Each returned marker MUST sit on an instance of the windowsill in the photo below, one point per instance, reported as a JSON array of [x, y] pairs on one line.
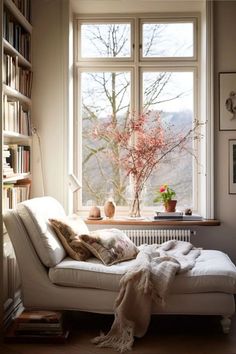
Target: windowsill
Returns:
[[148, 222]]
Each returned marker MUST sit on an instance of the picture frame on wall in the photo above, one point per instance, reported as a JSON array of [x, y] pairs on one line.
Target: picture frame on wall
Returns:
[[227, 100], [232, 166]]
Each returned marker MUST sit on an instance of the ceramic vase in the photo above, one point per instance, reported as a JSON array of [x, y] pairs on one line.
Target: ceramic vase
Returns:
[[109, 209]]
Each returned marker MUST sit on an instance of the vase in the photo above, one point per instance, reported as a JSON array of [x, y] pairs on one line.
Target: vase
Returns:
[[135, 206], [109, 209], [135, 197], [170, 206]]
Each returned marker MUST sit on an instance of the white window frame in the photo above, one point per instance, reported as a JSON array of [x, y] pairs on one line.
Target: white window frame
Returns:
[[103, 21], [137, 64], [194, 21]]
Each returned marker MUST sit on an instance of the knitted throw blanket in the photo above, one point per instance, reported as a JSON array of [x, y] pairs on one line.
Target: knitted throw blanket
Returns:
[[149, 279]]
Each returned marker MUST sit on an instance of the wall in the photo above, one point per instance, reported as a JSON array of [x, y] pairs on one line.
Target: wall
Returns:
[[49, 98], [126, 6], [50, 106], [224, 54]]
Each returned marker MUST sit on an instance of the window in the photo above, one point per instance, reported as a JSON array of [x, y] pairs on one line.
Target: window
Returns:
[[134, 65]]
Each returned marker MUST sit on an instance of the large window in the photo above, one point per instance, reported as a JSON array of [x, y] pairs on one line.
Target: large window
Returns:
[[132, 66]]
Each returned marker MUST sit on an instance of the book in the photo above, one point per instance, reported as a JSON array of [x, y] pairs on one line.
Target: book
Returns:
[[193, 217], [39, 317], [169, 215], [38, 332], [39, 325], [177, 217], [166, 213]]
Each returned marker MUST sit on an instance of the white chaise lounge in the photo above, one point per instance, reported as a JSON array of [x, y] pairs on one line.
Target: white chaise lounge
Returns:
[[52, 280]]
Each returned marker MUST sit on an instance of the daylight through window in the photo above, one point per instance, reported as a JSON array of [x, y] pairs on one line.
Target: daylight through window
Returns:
[[133, 67]]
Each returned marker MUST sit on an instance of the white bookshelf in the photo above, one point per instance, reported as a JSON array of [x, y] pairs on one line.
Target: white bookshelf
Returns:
[[16, 29], [9, 91], [9, 4], [8, 48]]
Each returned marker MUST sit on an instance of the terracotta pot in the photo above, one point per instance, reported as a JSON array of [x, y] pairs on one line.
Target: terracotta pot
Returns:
[[109, 209], [170, 206]]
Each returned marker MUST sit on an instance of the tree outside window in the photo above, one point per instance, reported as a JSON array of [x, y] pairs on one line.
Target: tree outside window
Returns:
[[107, 95]]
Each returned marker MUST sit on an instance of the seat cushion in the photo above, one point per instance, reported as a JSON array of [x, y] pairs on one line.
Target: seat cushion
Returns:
[[212, 272], [35, 214]]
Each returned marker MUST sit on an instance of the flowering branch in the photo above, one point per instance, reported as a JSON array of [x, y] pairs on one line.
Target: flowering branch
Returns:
[[142, 143]]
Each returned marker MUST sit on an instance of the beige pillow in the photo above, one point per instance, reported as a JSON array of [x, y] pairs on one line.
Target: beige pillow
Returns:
[[68, 231], [110, 245]]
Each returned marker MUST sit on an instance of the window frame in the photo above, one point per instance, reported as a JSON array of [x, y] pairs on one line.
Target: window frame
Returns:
[[103, 21], [193, 20], [136, 64]]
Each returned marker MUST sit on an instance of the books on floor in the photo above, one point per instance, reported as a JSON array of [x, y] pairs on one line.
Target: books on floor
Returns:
[[39, 323]]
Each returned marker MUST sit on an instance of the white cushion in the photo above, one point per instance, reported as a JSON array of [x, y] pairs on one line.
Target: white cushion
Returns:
[[213, 271], [35, 214]]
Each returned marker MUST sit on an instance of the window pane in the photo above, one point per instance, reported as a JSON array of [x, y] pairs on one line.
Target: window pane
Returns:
[[171, 93], [167, 40], [105, 99], [110, 40]]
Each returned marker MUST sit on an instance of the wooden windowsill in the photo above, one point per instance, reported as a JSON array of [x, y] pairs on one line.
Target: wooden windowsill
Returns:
[[147, 222]]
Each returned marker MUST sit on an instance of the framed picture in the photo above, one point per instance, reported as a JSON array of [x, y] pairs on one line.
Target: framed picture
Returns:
[[227, 100], [232, 166]]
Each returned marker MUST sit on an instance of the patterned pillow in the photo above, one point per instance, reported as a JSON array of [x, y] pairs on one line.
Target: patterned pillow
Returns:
[[110, 245], [68, 231]]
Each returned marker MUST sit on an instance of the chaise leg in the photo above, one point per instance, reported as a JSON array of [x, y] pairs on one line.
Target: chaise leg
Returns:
[[225, 323]]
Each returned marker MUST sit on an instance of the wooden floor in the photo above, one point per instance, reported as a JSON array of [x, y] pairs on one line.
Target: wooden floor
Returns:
[[166, 335]]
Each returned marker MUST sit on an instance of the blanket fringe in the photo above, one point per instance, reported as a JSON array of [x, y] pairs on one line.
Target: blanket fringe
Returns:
[[120, 343], [148, 280]]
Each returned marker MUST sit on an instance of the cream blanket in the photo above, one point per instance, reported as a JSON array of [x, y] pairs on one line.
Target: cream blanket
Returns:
[[149, 279]]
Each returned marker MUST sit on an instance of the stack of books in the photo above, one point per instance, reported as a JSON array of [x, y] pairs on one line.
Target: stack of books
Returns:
[[8, 170], [39, 325], [178, 215], [168, 216]]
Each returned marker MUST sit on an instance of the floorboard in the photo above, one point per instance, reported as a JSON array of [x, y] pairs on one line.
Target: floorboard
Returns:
[[166, 335]]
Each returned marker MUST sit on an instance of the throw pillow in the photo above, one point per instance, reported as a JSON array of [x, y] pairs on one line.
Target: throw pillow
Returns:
[[110, 245], [68, 231]]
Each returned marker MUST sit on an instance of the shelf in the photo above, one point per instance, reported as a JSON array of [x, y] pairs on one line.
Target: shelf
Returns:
[[18, 15], [156, 223], [16, 94], [14, 135], [11, 50], [16, 177]]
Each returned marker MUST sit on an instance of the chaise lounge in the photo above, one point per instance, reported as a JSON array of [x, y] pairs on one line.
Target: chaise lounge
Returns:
[[52, 280]]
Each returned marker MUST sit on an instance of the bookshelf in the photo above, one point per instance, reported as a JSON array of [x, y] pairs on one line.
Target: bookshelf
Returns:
[[16, 104], [16, 127]]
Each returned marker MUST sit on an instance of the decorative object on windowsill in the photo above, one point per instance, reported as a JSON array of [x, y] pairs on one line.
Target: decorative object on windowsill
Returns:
[[165, 195], [135, 204], [154, 141], [109, 208], [94, 213], [109, 205], [170, 206], [188, 211]]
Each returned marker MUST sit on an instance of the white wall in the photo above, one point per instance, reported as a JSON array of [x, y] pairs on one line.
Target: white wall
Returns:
[[224, 54], [49, 97], [50, 102], [126, 6]]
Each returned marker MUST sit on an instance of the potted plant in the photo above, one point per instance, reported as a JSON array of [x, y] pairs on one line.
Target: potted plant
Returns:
[[165, 195]]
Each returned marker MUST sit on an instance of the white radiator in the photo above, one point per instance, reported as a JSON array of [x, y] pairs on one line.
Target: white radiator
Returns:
[[159, 236]]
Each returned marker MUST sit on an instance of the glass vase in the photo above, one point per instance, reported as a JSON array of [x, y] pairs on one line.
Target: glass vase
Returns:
[[135, 201]]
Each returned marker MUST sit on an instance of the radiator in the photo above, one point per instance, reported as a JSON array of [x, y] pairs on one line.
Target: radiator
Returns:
[[159, 236]]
